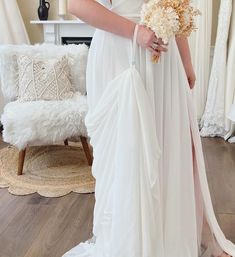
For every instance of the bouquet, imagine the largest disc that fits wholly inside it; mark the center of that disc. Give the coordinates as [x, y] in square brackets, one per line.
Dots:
[169, 18]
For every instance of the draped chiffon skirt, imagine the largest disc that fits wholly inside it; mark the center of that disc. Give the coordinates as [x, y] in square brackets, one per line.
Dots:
[152, 195]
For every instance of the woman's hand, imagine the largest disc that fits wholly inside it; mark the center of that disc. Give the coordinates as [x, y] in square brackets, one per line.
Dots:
[146, 38]
[190, 75]
[185, 54]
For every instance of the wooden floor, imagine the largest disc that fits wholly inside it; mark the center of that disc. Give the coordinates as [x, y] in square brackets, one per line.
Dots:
[34, 226]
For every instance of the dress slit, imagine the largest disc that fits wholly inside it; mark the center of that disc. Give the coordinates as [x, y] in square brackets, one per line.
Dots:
[212, 242]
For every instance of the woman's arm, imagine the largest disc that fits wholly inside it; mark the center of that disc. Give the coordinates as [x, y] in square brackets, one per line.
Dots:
[100, 17]
[184, 50]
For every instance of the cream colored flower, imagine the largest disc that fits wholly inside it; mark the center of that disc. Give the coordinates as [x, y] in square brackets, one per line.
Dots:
[168, 18]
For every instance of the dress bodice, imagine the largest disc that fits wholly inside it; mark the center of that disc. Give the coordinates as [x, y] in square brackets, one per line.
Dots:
[124, 7]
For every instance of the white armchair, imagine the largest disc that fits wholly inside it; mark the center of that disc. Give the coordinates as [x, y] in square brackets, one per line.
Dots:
[43, 122]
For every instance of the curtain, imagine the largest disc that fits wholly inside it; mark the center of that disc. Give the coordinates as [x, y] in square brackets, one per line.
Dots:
[12, 29]
[200, 45]
[11, 24]
[221, 85]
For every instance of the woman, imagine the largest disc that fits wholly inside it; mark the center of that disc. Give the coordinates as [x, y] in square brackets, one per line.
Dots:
[152, 197]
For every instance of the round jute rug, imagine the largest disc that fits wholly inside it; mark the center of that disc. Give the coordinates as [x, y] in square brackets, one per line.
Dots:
[51, 171]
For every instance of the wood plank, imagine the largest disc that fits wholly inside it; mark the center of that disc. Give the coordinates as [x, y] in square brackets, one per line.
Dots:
[35, 226]
[220, 158]
[227, 223]
[48, 227]
[65, 227]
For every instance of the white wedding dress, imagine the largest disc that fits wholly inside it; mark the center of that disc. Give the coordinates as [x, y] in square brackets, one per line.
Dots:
[152, 196]
[214, 121]
[12, 29]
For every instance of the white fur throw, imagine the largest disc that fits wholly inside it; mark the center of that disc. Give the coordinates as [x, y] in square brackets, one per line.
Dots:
[44, 79]
[44, 122]
[9, 68]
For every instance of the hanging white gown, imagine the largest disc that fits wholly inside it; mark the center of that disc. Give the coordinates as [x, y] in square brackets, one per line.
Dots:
[12, 26]
[213, 122]
[12, 30]
[230, 81]
[152, 196]
[200, 45]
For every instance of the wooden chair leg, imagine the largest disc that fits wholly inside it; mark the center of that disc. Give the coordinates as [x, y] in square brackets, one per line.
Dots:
[66, 142]
[21, 162]
[87, 150]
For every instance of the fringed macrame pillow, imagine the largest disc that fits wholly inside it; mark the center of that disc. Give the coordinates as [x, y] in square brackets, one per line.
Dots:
[77, 57]
[44, 79]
